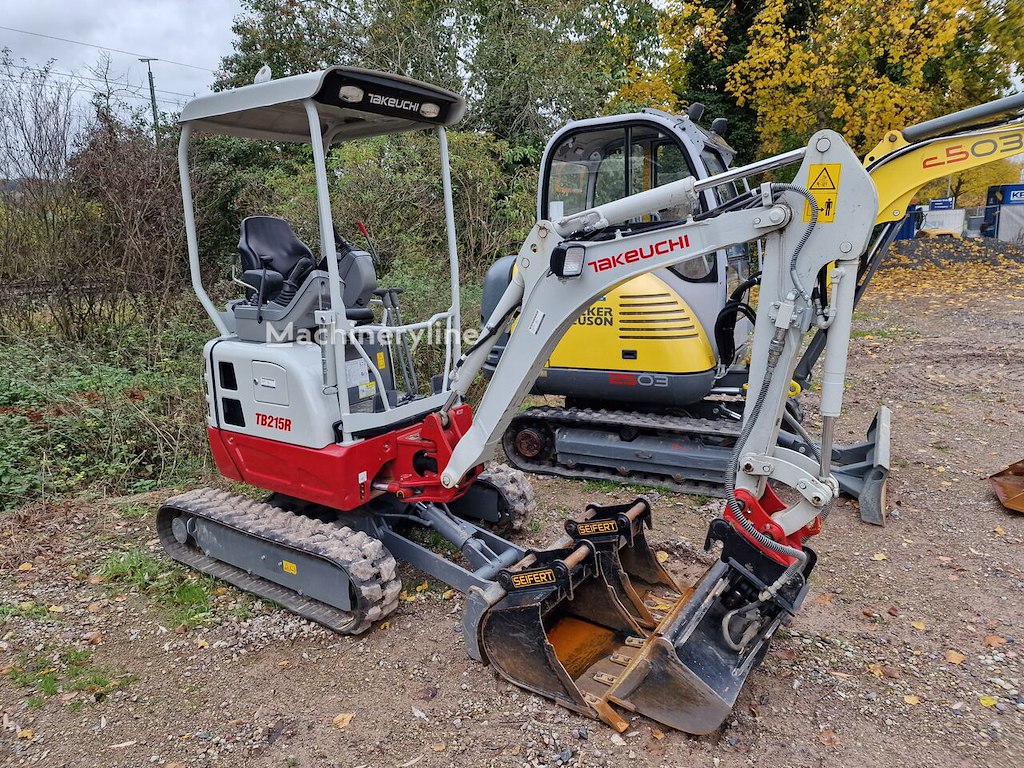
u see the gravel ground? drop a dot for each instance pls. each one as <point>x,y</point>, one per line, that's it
<point>908,650</point>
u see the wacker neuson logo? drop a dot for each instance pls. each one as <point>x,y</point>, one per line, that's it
<point>638,254</point>
<point>394,103</point>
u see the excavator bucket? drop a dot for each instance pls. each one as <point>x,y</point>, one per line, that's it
<point>1009,486</point>
<point>601,628</point>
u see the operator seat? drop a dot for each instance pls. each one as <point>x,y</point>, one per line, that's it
<point>274,261</point>
<point>275,264</point>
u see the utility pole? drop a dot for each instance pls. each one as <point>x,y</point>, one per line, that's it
<point>152,94</point>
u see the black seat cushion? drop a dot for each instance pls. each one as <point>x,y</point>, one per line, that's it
<point>269,242</point>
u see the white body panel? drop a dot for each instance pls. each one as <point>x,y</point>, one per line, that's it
<point>279,389</point>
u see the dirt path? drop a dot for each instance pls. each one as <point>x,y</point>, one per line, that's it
<point>909,650</point>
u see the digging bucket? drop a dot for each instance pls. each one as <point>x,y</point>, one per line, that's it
<point>600,627</point>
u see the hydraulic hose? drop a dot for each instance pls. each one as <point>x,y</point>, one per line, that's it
<point>730,483</point>
<point>803,238</point>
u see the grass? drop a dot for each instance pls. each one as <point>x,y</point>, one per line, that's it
<point>189,596</point>
<point>888,333</point>
<point>69,671</point>
<point>135,511</point>
<point>28,610</point>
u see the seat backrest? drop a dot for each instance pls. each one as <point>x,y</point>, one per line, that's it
<point>269,242</point>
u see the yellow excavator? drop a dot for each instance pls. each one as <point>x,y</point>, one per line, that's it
<point>654,373</point>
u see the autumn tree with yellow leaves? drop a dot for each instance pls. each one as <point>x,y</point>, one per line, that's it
<point>863,67</point>
<point>855,66</point>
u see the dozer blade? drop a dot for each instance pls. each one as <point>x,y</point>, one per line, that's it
<point>569,628</point>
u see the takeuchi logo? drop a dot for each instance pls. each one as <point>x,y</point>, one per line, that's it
<point>639,254</point>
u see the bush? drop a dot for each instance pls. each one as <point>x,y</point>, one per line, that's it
<point>107,419</point>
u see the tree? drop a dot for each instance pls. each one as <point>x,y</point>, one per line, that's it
<point>971,187</point>
<point>525,66</point>
<point>862,68</point>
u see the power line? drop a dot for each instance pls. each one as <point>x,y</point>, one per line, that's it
<point>96,79</point>
<point>83,88</point>
<point>104,48</point>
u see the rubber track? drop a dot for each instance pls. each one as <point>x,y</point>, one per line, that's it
<point>369,566</point>
<point>613,421</point>
<point>514,488</point>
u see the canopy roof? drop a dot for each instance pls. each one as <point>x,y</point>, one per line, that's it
<point>352,103</point>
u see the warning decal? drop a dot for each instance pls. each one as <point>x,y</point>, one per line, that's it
<point>823,184</point>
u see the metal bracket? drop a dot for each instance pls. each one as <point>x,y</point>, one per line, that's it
<point>798,472</point>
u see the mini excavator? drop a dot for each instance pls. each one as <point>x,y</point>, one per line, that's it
<point>653,373</point>
<point>310,398</point>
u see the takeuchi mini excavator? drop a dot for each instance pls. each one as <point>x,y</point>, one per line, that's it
<point>310,397</point>
<point>653,373</point>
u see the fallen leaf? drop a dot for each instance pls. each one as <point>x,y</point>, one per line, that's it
<point>955,657</point>
<point>25,733</point>
<point>515,750</point>
<point>891,672</point>
<point>892,610</point>
<point>343,719</point>
<point>94,607</point>
<point>786,653</point>
<point>829,738</point>
<point>403,595</point>
<point>920,625</point>
<point>283,663</point>
<point>662,556</point>
<point>912,700</point>
<point>657,733</point>
<point>219,591</point>
<point>422,587</point>
<point>95,579</point>
<point>879,556</point>
<point>999,530</point>
<point>988,701</point>
<point>66,697</point>
<point>385,625</point>
<point>876,669</point>
<point>993,641</point>
<point>56,609</point>
<point>202,643</point>
<point>825,598</point>
<point>93,638</point>
<point>448,594</point>
<point>26,567</point>
<point>439,747</point>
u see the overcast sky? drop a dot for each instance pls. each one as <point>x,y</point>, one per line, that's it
<point>196,32</point>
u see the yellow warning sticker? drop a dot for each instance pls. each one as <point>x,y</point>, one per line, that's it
<point>289,567</point>
<point>823,184</point>
<point>381,361</point>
